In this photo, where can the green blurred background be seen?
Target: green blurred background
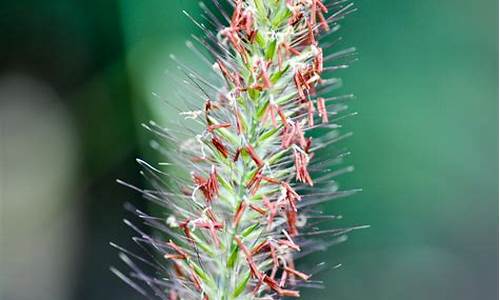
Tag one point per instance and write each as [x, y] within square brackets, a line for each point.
[76, 81]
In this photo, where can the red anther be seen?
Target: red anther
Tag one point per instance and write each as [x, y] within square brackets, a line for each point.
[321, 6]
[253, 269]
[248, 21]
[213, 233]
[301, 275]
[322, 110]
[212, 127]
[291, 196]
[219, 146]
[286, 138]
[257, 286]
[301, 162]
[293, 134]
[241, 20]
[181, 253]
[308, 146]
[284, 276]
[239, 212]
[211, 215]
[289, 293]
[290, 50]
[252, 36]
[254, 182]
[238, 83]
[255, 187]
[209, 187]
[185, 227]
[296, 17]
[173, 256]
[283, 117]
[271, 283]
[234, 39]
[298, 84]
[225, 71]
[302, 78]
[290, 191]
[259, 247]
[313, 12]
[271, 207]
[256, 178]
[291, 221]
[299, 135]
[318, 61]
[317, 10]
[195, 279]
[213, 183]
[178, 270]
[200, 223]
[212, 225]
[254, 156]
[312, 80]
[237, 154]
[264, 76]
[322, 21]
[251, 264]
[310, 113]
[271, 180]
[239, 126]
[292, 203]
[242, 247]
[208, 107]
[233, 78]
[212, 221]
[270, 112]
[236, 14]
[257, 209]
[289, 242]
[311, 39]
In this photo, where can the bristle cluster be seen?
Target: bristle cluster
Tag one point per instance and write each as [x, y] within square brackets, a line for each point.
[235, 222]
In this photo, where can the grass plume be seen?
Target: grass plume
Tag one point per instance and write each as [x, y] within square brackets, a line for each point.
[238, 205]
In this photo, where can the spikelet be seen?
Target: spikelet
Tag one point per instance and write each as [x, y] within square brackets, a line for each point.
[238, 201]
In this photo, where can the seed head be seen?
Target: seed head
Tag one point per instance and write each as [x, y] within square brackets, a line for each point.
[235, 207]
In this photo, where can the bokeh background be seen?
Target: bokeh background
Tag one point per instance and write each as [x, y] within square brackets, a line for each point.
[76, 81]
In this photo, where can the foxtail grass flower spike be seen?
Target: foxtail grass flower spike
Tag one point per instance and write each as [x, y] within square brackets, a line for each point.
[236, 211]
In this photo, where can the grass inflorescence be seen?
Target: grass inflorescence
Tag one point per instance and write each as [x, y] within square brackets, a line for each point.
[237, 209]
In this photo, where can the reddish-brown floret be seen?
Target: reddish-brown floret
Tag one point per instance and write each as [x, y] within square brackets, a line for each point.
[209, 187]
